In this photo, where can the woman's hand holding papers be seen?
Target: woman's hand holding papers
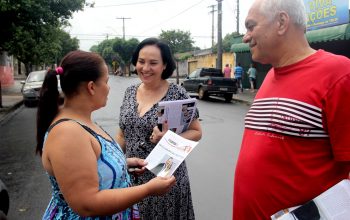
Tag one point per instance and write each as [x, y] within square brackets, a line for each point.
[158, 134]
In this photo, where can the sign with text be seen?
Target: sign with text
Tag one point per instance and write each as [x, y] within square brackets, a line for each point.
[326, 13]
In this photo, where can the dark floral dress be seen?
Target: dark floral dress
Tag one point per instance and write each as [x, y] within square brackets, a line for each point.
[177, 204]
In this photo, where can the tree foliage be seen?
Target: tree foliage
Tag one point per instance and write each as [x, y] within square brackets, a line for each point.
[228, 40]
[67, 44]
[30, 29]
[179, 41]
[125, 48]
[105, 49]
[116, 51]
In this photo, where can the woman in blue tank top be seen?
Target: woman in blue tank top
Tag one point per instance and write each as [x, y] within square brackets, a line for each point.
[86, 167]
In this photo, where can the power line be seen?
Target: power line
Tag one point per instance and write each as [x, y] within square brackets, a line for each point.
[173, 16]
[126, 4]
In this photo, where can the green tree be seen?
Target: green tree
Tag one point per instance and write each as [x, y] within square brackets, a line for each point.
[48, 48]
[179, 41]
[125, 49]
[28, 27]
[228, 40]
[67, 44]
[52, 47]
[105, 49]
[35, 50]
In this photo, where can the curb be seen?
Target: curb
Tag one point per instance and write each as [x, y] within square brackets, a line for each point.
[5, 112]
[242, 101]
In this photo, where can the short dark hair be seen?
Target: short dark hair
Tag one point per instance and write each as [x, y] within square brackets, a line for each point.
[165, 52]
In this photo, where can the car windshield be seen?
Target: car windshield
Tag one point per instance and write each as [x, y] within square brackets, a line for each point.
[36, 76]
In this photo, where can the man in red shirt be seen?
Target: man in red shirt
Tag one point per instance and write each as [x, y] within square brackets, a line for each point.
[296, 142]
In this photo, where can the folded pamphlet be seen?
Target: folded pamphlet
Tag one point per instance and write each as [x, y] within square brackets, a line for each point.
[178, 114]
[169, 153]
[333, 204]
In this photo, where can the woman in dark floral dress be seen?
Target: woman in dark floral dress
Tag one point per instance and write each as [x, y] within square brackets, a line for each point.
[139, 133]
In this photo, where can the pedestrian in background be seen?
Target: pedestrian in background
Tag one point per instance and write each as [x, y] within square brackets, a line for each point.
[238, 76]
[139, 134]
[227, 71]
[296, 138]
[86, 167]
[252, 77]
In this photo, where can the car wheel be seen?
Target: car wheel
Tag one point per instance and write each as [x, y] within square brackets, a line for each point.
[202, 95]
[228, 97]
[27, 103]
[4, 199]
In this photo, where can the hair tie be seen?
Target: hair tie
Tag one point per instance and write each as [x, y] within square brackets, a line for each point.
[59, 70]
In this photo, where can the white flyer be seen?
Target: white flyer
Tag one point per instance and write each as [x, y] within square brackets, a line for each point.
[169, 153]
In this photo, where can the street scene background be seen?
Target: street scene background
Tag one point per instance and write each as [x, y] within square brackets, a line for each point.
[211, 165]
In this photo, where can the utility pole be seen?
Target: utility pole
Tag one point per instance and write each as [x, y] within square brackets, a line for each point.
[219, 55]
[237, 18]
[212, 23]
[123, 26]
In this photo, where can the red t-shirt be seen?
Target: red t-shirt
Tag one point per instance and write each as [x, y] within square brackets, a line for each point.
[296, 142]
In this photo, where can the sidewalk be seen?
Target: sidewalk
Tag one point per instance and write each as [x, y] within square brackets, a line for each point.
[246, 97]
[11, 98]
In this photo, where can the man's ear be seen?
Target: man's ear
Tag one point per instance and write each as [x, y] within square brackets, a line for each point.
[283, 22]
[91, 87]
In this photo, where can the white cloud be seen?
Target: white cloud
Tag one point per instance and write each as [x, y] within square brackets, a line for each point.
[93, 25]
[148, 19]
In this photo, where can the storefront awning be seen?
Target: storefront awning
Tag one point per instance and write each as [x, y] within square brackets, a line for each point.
[240, 48]
[340, 32]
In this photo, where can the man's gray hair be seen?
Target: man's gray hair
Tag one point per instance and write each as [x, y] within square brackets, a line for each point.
[294, 8]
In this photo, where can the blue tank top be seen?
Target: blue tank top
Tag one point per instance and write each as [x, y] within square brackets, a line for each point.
[112, 173]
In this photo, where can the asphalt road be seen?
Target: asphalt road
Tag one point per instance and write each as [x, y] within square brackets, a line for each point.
[211, 165]
[20, 168]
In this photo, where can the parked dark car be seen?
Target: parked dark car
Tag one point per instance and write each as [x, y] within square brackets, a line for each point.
[4, 201]
[32, 85]
[210, 81]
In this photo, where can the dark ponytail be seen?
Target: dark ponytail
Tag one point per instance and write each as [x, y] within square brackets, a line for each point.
[47, 107]
[76, 67]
